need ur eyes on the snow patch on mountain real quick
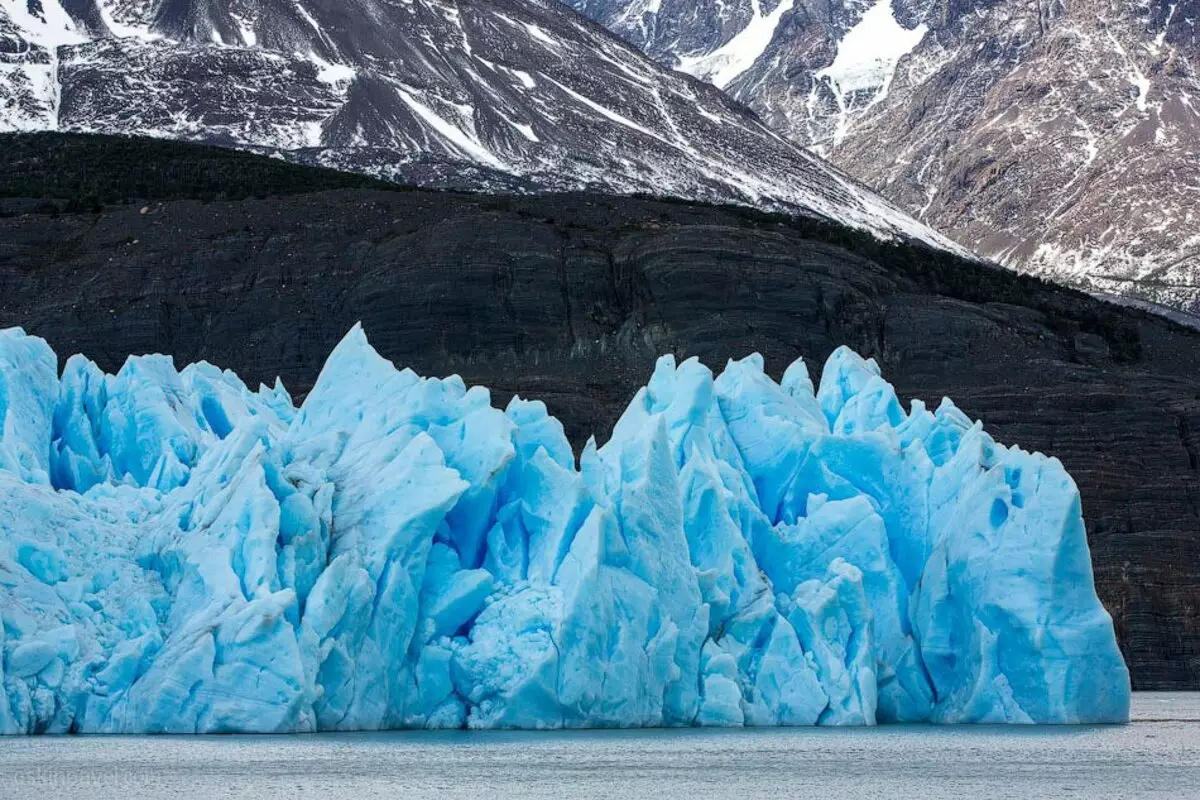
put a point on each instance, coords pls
(499, 95)
(456, 134)
(327, 72)
(1060, 139)
(866, 61)
(727, 62)
(128, 19)
(44, 22)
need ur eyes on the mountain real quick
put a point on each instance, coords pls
(570, 298)
(1062, 139)
(509, 95)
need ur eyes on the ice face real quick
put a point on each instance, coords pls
(181, 554)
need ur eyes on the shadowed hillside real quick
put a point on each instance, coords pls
(69, 171)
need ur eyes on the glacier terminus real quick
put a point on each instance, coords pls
(180, 554)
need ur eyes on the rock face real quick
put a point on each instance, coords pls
(513, 95)
(1057, 138)
(571, 298)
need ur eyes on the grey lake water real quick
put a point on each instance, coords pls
(1157, 755)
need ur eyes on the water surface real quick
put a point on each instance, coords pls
(1158, 755)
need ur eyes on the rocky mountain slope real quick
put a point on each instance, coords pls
(570, 298)
(1060, 138)
(499, 95)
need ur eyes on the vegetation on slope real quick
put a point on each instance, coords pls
(75, 172)
(71, 173)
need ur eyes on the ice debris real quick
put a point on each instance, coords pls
(181, 554)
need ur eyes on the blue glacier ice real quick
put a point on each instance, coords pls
(181, 554)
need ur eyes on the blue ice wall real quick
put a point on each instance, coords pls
(181, 554)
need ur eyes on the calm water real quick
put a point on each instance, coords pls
(1156, 756)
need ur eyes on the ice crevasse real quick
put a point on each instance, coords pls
(181, 554)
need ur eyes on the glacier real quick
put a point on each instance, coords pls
(180, 554)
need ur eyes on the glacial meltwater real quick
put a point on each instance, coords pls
(1157, 755)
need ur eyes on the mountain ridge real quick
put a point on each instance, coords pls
(1053, 138)
(511, 95)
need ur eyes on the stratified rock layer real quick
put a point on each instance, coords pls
(179, 554)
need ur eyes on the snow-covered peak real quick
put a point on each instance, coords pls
(520, 95)
(1061, 139)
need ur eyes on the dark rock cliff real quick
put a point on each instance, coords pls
(570, 299)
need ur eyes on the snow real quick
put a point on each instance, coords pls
(119, 28)
(1091, 146)
(245, 28)
(637, 12)
(1136, 77)
(869, 52)
(30, 93)
(867, 57)
(29, 96)
(608, 113)
(540, 35)
(303, 12)
(1142, 83)
(332, 74)
(468, 144)
(181, 554)
(723, 65)
(525, 78)
(51, 28)
(1162, 35)
(524, 129)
